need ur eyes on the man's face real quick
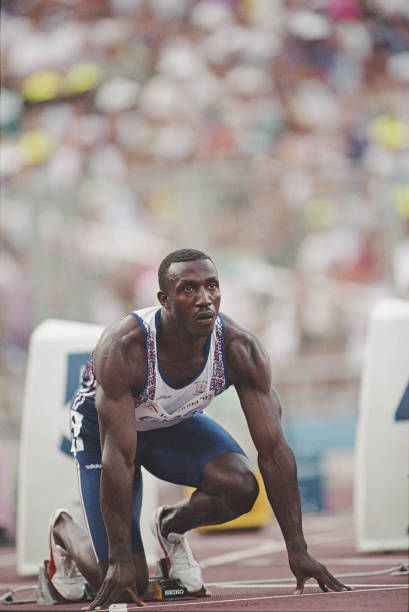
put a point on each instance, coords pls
(193, 295)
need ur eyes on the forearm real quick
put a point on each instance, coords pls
(279, 472)
(117, 505)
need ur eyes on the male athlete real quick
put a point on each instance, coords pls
(141, 402)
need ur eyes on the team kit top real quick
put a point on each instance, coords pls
(161, 404)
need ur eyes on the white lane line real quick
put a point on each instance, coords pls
(368, 588)
(239, 555)
(383, 572)
(359, 561)
(257, 562)
(264, 549)
(291, 579)
(178, 604)
(320, 523)
(385, 560)
(286, 585)
(17, 585)
(273, 581)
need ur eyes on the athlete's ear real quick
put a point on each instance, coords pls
(163, 299)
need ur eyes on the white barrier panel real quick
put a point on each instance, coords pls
(382, 446)
(47, 475)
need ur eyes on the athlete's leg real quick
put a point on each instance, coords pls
(200, 453)
(90, 550)
(228, 489)
(68, 534)
(77, 542)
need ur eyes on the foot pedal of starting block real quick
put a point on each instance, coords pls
(164, 588)
(47, 595)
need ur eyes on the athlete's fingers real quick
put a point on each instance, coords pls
(300, 586)
(115, 596)
(95, 603)
(333, 584)
(110, 598)
(101, 596)
(135, 598)
(322, 586)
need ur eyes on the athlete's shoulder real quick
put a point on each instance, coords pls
(122, 336)
(119, 357)
(247, 359)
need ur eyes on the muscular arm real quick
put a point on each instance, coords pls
(119, 364)
(118, 443)
(249, 371)
(276, 462)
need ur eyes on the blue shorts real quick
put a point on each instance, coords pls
(176, 454)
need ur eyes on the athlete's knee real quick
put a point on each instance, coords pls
(230, 479)
(242, 492)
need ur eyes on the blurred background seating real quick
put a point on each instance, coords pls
(274, 135)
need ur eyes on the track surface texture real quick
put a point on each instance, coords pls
(248, 571)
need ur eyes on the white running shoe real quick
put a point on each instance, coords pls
(183, 565)
(62, 569)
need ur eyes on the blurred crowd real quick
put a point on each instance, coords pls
(274, 134)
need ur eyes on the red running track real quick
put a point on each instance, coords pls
(248, 571)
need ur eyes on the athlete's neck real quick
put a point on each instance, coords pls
(176, 342)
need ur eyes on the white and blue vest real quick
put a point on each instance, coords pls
(160, 404)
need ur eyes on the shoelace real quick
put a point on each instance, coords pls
(69, 567)
(182, 555)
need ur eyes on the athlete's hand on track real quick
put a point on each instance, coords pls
(119, 579)
(304, 567)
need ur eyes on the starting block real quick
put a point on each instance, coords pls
(160, 588)
(164, 588)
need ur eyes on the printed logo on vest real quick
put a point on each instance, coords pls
(200, 387)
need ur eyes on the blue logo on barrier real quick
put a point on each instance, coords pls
(76, 362)
(402, 412)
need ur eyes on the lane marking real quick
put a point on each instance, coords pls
(386, 560)
(320, 593)
(286, 585)
(239, 555)
(263, 562)
(320, 523)
(360, 561)
(178, 604)
(18, 585)
(264, 549)
(291, 580)
(368, 588)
